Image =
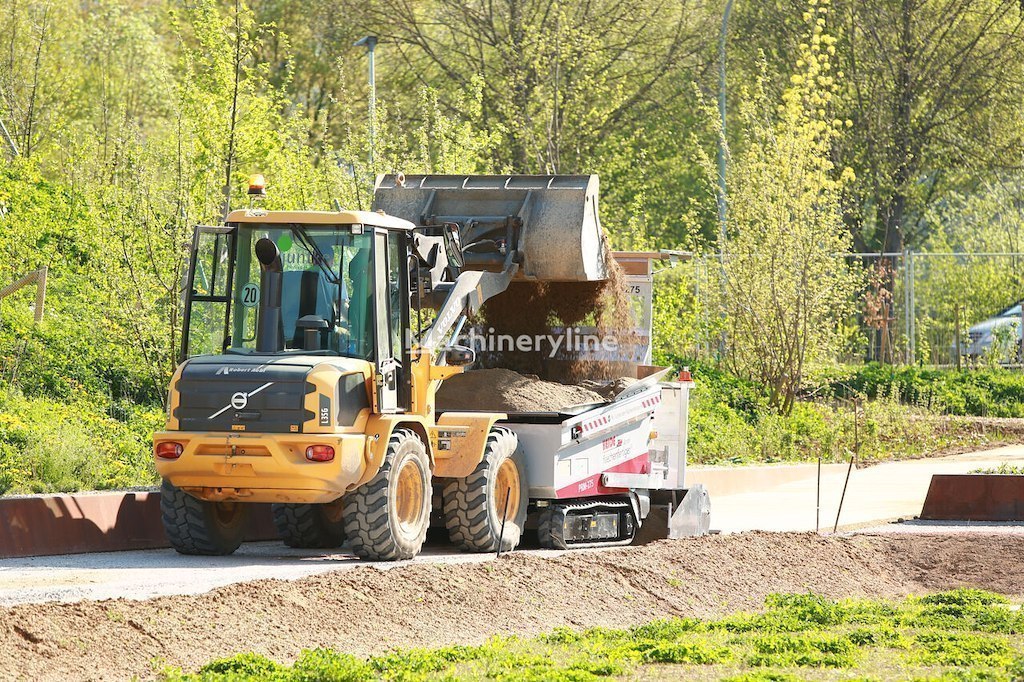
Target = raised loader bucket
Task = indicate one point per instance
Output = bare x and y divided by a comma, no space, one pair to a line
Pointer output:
551,220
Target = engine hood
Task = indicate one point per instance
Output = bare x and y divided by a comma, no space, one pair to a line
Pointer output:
244,393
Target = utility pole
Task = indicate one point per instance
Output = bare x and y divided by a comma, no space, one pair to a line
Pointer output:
370,43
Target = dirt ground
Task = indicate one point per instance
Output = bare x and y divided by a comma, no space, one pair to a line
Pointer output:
368,610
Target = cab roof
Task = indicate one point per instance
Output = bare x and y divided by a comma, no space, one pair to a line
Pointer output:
374,219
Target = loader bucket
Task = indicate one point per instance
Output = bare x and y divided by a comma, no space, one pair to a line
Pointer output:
551,220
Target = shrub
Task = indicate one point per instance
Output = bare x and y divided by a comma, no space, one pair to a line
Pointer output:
48,445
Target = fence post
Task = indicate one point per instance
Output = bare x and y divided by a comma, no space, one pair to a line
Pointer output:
956,334
906,306
913,308
39,278
40,294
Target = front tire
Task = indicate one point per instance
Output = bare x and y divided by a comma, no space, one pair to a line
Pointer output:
195,526
310,526
474,506
386,518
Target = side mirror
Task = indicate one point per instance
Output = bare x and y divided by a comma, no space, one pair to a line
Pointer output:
459,356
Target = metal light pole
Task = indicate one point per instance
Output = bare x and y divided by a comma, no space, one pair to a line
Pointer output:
722,204
370,42
722,208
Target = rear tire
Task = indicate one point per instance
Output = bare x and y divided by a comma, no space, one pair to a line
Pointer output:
310,526
386,518
474,505
194,526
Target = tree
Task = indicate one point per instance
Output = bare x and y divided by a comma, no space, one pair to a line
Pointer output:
933,85
987,218
785,291
558,77
932,88
34,92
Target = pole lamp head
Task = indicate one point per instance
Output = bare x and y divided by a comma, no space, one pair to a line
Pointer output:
369,42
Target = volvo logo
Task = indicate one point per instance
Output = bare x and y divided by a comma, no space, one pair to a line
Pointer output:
239,400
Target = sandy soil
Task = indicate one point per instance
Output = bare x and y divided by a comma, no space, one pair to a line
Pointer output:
502,390
368,610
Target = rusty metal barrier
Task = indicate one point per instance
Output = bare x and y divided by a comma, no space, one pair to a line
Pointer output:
974,497
79,523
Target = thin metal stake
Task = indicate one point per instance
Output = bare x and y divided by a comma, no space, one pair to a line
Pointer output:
504,515
843,496
849,469
817,511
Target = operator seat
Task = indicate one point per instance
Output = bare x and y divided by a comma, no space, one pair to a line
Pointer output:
313,299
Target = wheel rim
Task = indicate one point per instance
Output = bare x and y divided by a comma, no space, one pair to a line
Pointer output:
506,484
409,498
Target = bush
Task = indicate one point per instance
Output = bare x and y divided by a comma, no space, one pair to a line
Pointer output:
730,422
54,446
985,392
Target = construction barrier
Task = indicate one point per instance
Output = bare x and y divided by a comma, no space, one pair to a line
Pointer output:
974,497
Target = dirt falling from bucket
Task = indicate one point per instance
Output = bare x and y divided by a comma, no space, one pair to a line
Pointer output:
531,309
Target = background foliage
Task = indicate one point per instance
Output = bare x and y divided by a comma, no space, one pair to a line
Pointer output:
130,121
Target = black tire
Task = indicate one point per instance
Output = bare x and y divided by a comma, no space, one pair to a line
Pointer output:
386,518
310,526
194,526
546,535
474,505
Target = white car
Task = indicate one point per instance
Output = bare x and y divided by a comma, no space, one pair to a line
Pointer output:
980,336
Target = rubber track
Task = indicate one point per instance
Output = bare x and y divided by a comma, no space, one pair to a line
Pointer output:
548,538
466,504
184,518
303,526
366,511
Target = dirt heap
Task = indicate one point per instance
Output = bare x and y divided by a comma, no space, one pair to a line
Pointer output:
369,611
609,389
502,390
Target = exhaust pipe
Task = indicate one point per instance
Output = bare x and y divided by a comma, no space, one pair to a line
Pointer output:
268,332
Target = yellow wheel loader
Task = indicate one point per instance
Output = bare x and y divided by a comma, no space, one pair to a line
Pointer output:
313,345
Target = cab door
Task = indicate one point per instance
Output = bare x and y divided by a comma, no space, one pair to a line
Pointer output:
208,292
391,319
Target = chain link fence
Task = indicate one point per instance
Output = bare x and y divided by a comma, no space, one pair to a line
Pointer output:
914,307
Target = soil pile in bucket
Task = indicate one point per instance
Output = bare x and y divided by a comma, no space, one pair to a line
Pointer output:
502,390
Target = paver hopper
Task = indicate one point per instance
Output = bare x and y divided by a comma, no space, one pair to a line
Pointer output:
550,220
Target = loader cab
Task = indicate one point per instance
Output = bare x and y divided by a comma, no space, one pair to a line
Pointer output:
303,285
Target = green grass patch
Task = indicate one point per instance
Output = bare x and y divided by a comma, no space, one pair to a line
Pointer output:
1005,469
979,392
965,635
